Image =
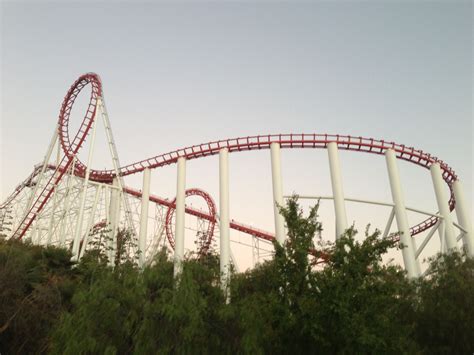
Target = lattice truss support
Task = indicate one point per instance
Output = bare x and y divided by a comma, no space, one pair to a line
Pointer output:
57,223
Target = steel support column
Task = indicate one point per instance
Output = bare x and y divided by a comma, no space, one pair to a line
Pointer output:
464,220
67,198
114,211
411,264
55,198
179,224
35,238
91,221
80,218
277,192
224,226
144,217
443,207
337,190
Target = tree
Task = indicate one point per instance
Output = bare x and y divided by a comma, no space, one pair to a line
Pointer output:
355,304
104,315
35,288
445,313
362,303
182,317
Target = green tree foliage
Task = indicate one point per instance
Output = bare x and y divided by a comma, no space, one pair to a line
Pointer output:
353,304
362,303
270,299
107,307
445,313
36,284
182,318
104,316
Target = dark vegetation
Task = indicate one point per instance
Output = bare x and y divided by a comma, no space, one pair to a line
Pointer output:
355,304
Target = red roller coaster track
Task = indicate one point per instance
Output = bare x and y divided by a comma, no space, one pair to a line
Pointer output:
71,148
212,222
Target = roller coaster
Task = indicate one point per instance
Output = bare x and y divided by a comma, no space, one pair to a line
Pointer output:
64,201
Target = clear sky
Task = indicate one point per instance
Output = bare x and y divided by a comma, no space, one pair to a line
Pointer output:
177,74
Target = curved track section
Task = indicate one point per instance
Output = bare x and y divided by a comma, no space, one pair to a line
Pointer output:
290,141
171,204
207,238
70,148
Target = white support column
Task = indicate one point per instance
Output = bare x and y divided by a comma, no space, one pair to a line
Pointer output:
55,198
120,201
411,264
443,206
224,226
337,190
67,198
107,195
80,218
91,221
442,240
114,210
277,192
102,111
35,238
144,217
179,226
464,220
51,219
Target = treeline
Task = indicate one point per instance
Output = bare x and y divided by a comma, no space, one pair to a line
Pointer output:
354,304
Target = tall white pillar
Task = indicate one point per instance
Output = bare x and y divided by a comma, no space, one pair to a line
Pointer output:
144,216
443,206
113,218
337,190
179,225
55,198
79,222
67,198
35,236
224,226
442,240
411,264
464,220
90,222
51,218
80,218
277,192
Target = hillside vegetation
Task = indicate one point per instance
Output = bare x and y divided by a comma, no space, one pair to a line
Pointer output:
354,304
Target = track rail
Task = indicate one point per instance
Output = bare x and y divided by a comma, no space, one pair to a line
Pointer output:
170,204
211,205
211,217
289,141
